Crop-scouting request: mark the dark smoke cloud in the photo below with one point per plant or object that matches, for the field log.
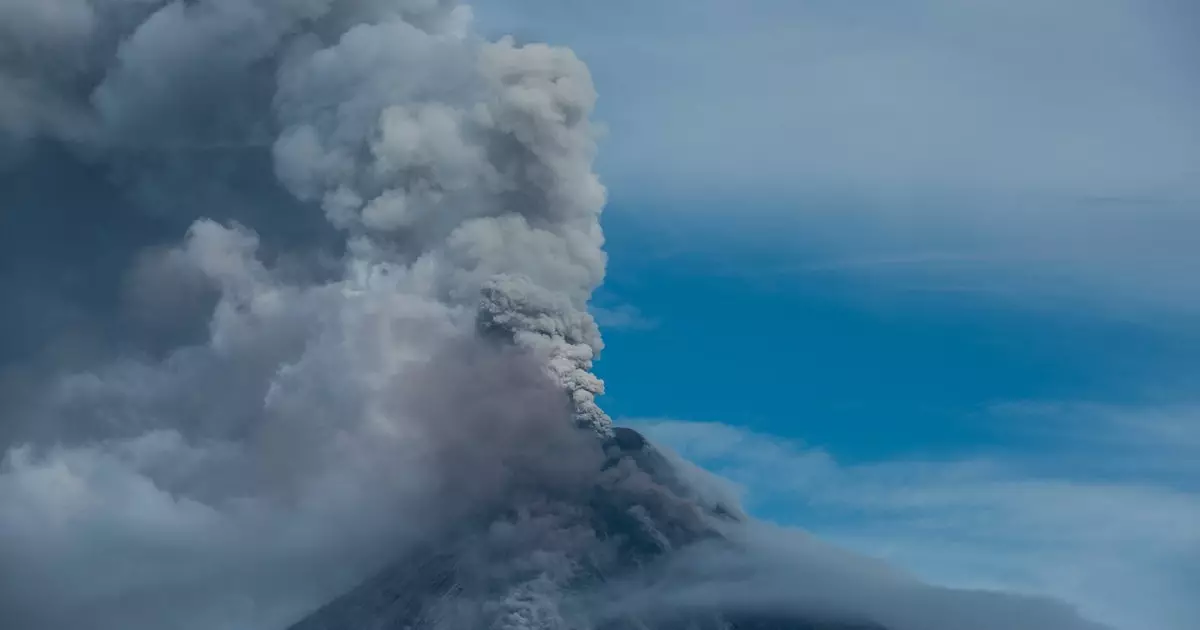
(290, 288)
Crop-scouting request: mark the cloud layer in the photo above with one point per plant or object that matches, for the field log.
(1057, 143)
(1079, 98)
(1095, 521)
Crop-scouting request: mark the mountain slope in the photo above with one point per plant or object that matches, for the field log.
(546, 560)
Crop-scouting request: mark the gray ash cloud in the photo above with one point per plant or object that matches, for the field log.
(292, 289)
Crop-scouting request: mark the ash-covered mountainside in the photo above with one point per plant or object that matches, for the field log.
(547, 560)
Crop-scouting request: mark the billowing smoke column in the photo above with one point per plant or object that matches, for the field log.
(293, 295)
(452, 167)
(235, 233)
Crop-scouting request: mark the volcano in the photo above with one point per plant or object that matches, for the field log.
(544, 560)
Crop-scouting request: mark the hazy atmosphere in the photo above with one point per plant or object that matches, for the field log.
(301, 298)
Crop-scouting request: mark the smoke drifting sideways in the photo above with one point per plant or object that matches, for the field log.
(288, 287)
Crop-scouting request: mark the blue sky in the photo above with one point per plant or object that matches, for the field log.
(974, 440)
(713, 330)
(919, 276)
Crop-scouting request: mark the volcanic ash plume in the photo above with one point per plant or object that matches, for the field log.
(294, 306)
(235, 233)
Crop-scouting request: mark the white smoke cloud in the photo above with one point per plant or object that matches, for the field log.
(241, 469)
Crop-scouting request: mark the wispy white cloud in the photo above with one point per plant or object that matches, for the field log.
(1120, 541)
(1168, 434)
(626, 316)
